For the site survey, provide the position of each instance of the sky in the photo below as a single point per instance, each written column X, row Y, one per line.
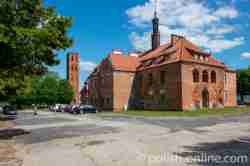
column 217, row 26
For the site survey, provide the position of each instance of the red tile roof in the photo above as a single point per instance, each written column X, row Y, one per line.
column 182, row 49
column 124, row 62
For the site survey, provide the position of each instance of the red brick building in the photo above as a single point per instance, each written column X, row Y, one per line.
column 174, row 76
column 73, row 74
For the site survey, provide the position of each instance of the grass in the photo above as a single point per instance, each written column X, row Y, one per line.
column 198, row 113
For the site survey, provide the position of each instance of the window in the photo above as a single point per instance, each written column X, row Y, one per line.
column 225, row 96
column 72, row 58
column 201, row 58
column 213, row 77
column 162, row 77
column 148, row 63
column 141, row 85
column 141, row 80
column 162, row 99
column 195, row 56
column 159, row 60
column 107, row 100
column 150, row 79
column 205, row 76
column 225, row 79
column 196, row 75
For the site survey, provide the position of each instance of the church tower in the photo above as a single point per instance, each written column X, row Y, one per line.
column 155, row 37
column 73, row 74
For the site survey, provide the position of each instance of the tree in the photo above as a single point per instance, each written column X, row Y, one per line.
column 47, row 89
column 65, row 92
column 243, row 82
column 31, row 35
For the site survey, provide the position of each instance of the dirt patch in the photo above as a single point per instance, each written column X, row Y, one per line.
column 6, row 124
column 8, row 155
column 93, row 143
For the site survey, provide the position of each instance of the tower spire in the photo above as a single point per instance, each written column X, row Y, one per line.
column 156, row 33
column 155, row 9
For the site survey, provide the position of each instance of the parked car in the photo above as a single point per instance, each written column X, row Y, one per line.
column 75, row 109
column 68, row 109
column 87, row 109
column 55, row 108
column 1, row 109
column 2, row 105
column 10, row 111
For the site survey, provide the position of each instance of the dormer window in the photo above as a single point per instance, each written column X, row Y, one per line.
column 159, row 60
column 148, row 63
column 196, row 56
column 201, row 58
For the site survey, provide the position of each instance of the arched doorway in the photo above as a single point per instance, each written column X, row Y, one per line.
column 205, row 98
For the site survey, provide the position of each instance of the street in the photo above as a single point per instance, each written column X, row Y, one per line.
column 92, row 140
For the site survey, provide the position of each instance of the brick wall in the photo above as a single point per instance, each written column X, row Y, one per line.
column 230, row 89
column 192, row 91
column 165, row 96
column 122, row 85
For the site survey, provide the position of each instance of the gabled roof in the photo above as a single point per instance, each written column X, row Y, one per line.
column 182, row 49
column 123, row 62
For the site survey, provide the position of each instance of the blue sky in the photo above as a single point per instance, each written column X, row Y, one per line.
column 219, row 26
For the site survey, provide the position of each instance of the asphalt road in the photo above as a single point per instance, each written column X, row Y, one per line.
column 95, row 140
column 182, row 123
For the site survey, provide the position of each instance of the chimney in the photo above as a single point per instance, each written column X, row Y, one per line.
column 116, row 52
column 175, row 38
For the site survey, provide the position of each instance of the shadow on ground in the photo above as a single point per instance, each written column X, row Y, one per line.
column 229, row 153
column 10, row 133
column 48, row 134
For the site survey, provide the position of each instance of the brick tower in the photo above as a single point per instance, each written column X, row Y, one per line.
column 155, row 36
column 73, row 74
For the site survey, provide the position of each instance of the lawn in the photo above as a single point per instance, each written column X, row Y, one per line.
column 197, row 113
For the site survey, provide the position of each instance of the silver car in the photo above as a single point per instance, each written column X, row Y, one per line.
column 1, row 109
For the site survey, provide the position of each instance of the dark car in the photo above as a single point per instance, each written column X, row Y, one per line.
column 10, row 111
column 76, row 109
column 88, row 109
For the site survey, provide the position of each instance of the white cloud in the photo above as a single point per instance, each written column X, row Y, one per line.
column 87, row 66
column 140, row 42
column 226, row 12
column 245, row 55
column 220, row 30
column 194, row 19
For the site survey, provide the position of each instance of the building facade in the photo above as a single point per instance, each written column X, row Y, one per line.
column 174, row 76
column 73, row 74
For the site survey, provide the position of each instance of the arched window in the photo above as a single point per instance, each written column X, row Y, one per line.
column 150, row 79
column 205, row 76
column 196, row 75
column 213, row 77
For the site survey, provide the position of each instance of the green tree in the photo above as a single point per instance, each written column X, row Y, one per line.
column 243, row 82
column 31, row 35
column 47, row 89
column 65, row 92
